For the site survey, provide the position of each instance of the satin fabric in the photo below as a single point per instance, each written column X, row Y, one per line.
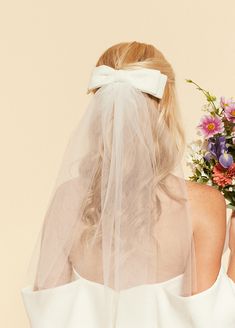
column 148, row 80
column 81, row 304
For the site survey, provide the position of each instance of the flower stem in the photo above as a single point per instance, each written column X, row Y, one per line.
column 206, row 93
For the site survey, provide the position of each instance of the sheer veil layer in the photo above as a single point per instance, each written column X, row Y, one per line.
column 118, row 213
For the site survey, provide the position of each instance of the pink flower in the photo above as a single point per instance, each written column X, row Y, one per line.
column 229, row 112
column 210, row 125
column 225, row 102
column 223, row 177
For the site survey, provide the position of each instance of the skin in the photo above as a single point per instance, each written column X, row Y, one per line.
column 231, row 267
column 208, row 210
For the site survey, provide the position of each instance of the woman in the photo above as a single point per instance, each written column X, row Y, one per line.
column 127, row 241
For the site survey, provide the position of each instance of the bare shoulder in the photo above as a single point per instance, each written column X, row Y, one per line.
column 199, row 190
column 208, row 211
column 207, row 204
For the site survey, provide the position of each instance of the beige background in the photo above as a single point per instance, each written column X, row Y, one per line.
column 48, row 48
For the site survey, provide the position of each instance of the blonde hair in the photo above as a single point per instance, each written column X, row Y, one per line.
column 130, row 55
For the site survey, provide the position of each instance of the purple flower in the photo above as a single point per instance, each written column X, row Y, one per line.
column 217, row 146
column 225, row 102
column 229, row 112
column 226, row 160
column 210, row 125
column 208, row 156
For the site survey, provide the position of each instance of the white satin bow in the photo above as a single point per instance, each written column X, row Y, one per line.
column 148, row 80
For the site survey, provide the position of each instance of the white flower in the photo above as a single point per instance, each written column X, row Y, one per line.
column 204, row 174
column 207, row 107
column 195, row 146
column 198, row 156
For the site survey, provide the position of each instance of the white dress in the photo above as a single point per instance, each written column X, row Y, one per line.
column 80, row 304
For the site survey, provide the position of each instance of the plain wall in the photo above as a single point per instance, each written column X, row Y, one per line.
column 48, row 49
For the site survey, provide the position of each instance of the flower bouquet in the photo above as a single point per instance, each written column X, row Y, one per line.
column 212, row 155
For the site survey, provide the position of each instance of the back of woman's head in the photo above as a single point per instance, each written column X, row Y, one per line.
column 165, row 120
column 131, row 55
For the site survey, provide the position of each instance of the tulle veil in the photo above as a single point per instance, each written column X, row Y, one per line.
column 113, row 216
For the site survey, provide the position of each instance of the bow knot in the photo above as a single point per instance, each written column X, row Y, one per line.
column 147, row 80
column 119, row 75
